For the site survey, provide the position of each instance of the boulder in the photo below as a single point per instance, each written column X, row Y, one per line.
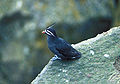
column 97, row 64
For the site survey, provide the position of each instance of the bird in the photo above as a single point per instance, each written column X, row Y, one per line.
column 61, row 48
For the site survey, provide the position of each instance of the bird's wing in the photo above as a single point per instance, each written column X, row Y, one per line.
column 56, row 52
column 64, row 44
column 66, row 49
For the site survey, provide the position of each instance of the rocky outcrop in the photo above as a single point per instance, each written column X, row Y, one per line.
column 96, row 66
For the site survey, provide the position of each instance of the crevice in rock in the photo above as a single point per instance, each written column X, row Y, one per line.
column 117, row 63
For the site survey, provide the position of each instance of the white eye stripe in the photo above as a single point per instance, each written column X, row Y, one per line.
column 44, row 30
column 50, row 32
column 47, row 32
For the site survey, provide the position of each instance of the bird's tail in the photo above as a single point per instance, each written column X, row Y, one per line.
column 74, row 58
column 77, row 57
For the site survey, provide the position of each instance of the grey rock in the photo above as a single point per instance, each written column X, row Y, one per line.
column 94, row 67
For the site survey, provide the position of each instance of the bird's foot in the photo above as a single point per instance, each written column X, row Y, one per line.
column 56, row 58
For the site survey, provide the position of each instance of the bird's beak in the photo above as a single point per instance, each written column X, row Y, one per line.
column 43, row 32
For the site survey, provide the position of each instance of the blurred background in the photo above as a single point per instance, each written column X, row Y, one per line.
column 23, row 49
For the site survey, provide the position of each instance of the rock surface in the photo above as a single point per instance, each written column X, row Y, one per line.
column 94, row 67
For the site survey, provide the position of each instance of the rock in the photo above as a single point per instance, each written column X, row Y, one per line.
column 91, row 68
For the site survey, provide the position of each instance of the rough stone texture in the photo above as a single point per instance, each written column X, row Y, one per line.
column 95, row 66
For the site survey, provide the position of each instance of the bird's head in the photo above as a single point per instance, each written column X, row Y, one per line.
column 50, row 31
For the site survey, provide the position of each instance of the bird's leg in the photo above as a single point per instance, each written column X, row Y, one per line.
column 56, row 58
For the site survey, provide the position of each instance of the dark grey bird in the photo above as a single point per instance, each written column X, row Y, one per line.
column 62, row 49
